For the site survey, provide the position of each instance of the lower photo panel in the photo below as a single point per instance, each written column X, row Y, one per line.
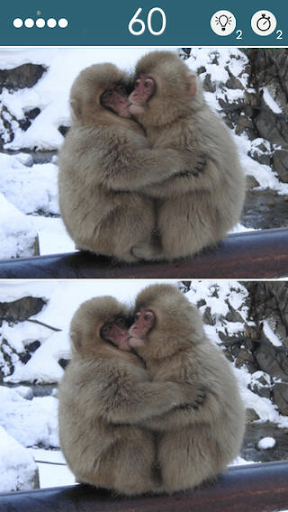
column 139, row 389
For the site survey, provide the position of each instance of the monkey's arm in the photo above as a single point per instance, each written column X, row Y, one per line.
column 213, row 143
column 119, row 160
column 203, row 179
column 132, row 170
column 122, row 401
column 185, row 415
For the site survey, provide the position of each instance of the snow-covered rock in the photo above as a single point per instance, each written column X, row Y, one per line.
column 18, row 237
column 17, row 467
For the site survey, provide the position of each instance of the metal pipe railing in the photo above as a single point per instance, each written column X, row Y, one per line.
column 252, row 254
column 251, row 488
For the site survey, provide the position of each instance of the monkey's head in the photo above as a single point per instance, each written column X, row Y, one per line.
column 99, row 324
column 87, row 98
column 165, row 89
column 165, row 322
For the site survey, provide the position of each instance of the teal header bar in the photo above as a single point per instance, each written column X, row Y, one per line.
column 141, row 23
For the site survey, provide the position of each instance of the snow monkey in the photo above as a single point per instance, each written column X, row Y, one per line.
column 194, row 445
column 104, row 162
column 197, row 209
column 104, row 397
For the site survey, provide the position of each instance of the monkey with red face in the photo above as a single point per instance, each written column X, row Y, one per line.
column 105, row 162
column 105, row 396
column 194, row 210
column 194, row 445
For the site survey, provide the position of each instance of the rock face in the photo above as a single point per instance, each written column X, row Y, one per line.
column 280, row 395
column 252, row 114
column 267, row 302
column 21, row 309
column 21, row 77
column 13, row 313
column 261, row 346
column 255, row 432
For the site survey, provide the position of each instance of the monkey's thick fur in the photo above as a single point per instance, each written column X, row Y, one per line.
column 194, row 211
column 195, row 445
column 105, row 161
column 104, row 397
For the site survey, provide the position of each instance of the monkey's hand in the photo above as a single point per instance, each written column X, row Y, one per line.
column 196, row 162
column 197, row 394
column 181, row 415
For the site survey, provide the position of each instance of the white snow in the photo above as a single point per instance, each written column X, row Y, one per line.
column 30, row 422
column 17, row 234
column 52, row 466
column 29, row 187
column 270, row 101
column 17, row 466
column 266, row 442
column 270, row 334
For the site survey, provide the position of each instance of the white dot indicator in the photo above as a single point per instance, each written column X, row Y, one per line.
column 63, row 23
column 51, row 23
column 29, row 23
column 18, row 23
column 263, row 23
column 40, row 23
column 223, row 23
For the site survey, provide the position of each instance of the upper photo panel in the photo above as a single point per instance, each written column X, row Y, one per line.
column 143, row 162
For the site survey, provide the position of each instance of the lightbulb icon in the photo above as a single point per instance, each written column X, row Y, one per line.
column 223, row 23
column 223, row 20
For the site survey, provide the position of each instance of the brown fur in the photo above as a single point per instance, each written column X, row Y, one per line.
column 194, row 211
column 104, row 397
column 104, row 163
column 195, row 445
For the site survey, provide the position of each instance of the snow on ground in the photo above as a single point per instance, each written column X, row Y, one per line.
column 53, row 470
column 17, row 466
column 32, row 187
column 29, row 421
column 32, row 420
column 17, row 234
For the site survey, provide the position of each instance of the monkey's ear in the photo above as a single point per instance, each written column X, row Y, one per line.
column 76, row 341
column 192, row 85
column 76, row 107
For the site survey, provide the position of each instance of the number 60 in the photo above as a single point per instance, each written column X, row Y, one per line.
column 149, row 20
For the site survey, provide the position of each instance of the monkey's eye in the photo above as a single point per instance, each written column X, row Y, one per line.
column 137, row 315
column 148, row 315
column 121, row 89
column 137, row 82
column 121, row 322
column 106, row 328
column 106, row 95
column 148, row 83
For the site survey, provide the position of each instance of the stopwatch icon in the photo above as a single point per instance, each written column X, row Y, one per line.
column 263, row 23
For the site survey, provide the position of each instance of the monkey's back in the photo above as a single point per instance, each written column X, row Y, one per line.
column 86, row 434
column 94, row 205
